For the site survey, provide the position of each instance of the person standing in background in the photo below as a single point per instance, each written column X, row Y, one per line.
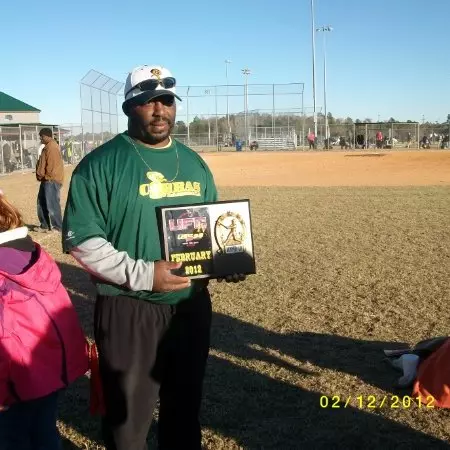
column 50, row 173
column 379, row 139
column 311, row 140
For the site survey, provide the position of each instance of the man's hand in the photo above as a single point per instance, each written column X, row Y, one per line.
column 235, row 278
column 165, row 281
column 3, row 408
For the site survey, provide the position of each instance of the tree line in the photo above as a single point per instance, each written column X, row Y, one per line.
column 338, row 125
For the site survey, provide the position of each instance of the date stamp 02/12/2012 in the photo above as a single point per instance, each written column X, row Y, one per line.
column 376, row 402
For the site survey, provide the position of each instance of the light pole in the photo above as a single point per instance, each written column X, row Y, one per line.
column 246, row 72
column 208, row 92
column 187, row 116
column 448, row 120
column 313, row 33
column 325, row 29
column 227, row 61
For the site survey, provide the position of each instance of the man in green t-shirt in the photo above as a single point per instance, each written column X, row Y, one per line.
column 152, row 328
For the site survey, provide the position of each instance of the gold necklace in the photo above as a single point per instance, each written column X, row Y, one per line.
column 149, row 168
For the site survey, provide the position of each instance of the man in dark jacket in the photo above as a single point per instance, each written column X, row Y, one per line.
column 50, row 172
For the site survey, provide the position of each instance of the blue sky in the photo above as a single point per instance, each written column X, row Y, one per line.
column 385, row 58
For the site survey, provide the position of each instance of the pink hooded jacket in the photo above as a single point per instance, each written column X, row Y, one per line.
column 42, row 345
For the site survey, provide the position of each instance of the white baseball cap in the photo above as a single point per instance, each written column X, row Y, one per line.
column 159, row 82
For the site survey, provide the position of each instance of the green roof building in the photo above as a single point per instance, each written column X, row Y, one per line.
column 14, row 111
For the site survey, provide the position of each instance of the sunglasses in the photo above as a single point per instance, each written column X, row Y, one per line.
column 151, row 85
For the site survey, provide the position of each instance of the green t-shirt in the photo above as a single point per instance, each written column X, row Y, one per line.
column 113, row 195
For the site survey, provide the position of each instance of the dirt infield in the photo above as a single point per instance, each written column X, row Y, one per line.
column 412, row 168
column 408, row 168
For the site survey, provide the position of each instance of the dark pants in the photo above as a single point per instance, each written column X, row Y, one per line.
column 49, row 205
column 147, row 349
column 30, row 425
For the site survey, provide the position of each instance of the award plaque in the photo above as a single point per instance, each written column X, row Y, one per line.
column 211, row 240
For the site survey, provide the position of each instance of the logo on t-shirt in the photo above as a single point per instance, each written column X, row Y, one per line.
column 159, row 187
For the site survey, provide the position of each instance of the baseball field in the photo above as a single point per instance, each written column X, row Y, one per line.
column 353, row 256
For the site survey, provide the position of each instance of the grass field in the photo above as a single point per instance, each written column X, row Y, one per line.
column 344, row 271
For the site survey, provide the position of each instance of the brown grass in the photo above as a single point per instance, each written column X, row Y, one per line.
column 343, row 272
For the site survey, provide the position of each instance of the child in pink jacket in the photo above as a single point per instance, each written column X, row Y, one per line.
column 42, row 345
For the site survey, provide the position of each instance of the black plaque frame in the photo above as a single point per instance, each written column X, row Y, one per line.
column 211, row 240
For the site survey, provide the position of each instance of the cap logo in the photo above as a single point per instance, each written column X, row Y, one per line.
column 156, row 73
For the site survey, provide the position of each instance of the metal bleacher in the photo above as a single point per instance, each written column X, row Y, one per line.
column 272, row 143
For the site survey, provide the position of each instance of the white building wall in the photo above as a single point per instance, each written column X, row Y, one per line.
column 18, row 117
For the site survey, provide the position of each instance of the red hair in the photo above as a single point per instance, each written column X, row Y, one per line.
column 10, row 217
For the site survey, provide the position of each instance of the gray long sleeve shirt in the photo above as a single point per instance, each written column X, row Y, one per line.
column 102, row 260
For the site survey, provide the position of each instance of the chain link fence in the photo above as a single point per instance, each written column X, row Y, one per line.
column 20, row 145
column 99, row 110
column 211, row 118
column 344, row 134
column 386, row 135
column 391, row 135
column 235, row 116
column 434, row 135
